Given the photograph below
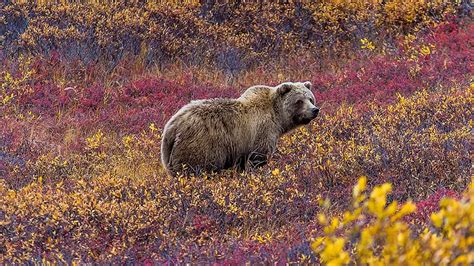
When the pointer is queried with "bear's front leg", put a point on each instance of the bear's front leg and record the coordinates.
(257, 159)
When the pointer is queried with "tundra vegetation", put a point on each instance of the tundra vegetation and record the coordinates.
(382, 176)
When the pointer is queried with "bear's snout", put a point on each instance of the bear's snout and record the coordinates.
(315, 111)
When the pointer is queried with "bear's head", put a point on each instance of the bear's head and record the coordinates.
(295, 104)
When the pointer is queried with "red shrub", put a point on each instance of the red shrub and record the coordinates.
(426, 207)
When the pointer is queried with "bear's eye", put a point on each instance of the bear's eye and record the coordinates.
(311, 100)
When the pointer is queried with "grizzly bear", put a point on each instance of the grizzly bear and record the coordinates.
(216, 134)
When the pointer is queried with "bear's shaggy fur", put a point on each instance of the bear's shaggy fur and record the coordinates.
(217, 134)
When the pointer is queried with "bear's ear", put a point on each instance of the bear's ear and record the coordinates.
(283, 89)
(308, 85)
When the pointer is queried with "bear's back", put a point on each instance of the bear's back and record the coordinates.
(213, 108)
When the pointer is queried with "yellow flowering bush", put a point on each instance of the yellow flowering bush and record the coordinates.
(374, 232)
(12, 86)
